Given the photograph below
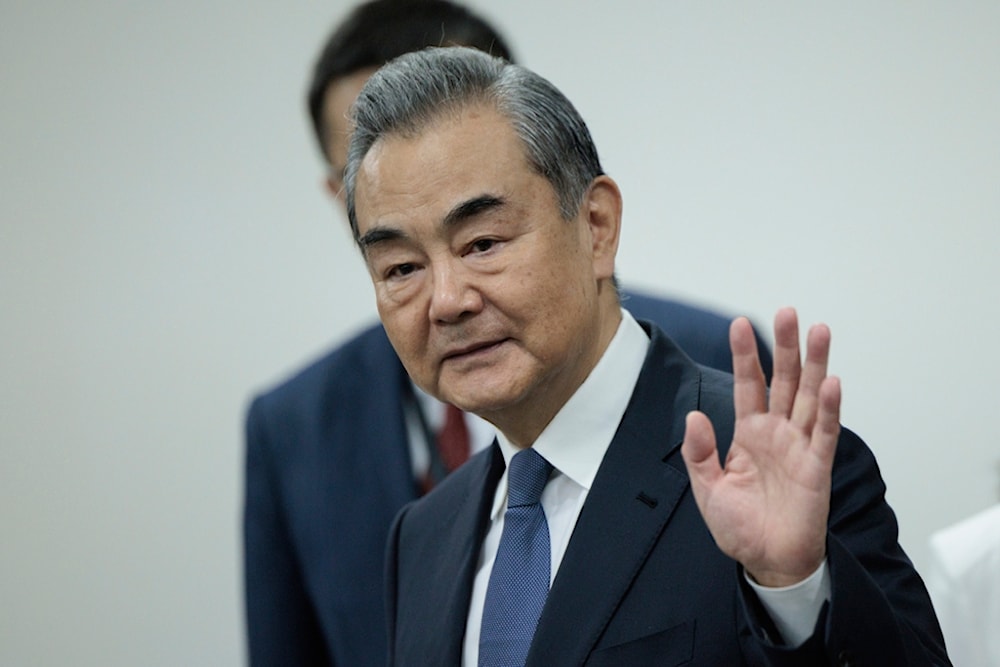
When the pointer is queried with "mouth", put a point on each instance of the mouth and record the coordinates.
(473, 351)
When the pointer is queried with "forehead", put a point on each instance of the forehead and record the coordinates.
(458, 156)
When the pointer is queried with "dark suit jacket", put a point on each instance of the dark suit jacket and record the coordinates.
(642, 582)
(327, 469)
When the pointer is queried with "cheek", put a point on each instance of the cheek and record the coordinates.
(400, 300)
(402, 326)
(386, 309)
(544, 287)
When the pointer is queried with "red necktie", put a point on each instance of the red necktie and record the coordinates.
(453, 438)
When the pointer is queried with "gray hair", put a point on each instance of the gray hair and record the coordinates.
(412, 91)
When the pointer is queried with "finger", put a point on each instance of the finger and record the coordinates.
(749, 386)
(700, 456)
(827, 430)
(787, 363)
(813, 373)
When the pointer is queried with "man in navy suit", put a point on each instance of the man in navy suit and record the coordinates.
(681, 515)
(336, 450)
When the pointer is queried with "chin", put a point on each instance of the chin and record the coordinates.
(487, 390)
(476, 405)
(482, 400)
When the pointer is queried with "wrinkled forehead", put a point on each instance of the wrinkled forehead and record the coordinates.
(473, 157)
(414, 127)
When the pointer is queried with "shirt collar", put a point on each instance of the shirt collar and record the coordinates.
(576, 439)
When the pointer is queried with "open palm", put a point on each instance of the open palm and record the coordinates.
(767, 507)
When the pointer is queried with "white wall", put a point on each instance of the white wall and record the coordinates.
(166, 249)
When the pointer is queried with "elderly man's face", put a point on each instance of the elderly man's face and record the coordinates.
(490, 298)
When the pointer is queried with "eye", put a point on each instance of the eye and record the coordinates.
(482, 245)
(400, 270)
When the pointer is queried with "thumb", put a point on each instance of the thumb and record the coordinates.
(699, 453)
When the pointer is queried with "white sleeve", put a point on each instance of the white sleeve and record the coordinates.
(794, 609)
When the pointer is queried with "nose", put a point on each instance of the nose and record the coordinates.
(454, 295)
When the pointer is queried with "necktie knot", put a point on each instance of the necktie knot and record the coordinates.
(526, 478)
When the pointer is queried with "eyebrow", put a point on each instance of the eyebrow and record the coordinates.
(377, 235)
(471, 208)
(460, 213)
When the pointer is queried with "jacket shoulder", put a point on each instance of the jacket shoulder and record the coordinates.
(364, 364)
(702, 333)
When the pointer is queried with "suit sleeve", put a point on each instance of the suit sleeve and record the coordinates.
(282, 628)
(879, 612)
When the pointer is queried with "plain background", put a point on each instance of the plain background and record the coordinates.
(166, 250)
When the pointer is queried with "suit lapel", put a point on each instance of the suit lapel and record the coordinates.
(630, 503)
(471, 521)
(451, 550)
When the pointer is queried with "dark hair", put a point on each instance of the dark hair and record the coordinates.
(410, 93)
(377, 31)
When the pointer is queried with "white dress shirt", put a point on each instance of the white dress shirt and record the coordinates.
(964, 584)
(575, 442)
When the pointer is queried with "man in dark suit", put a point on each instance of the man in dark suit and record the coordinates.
(490, 232)
(336, 450)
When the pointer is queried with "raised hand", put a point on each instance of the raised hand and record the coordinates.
(767, 507)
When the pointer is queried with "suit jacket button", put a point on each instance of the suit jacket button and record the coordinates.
(845, 659)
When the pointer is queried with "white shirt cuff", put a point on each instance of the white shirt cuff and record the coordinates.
(794, 609)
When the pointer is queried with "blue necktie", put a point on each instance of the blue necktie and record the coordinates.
(519, 582)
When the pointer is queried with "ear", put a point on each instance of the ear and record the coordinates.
(603, 208)
(335, 188)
